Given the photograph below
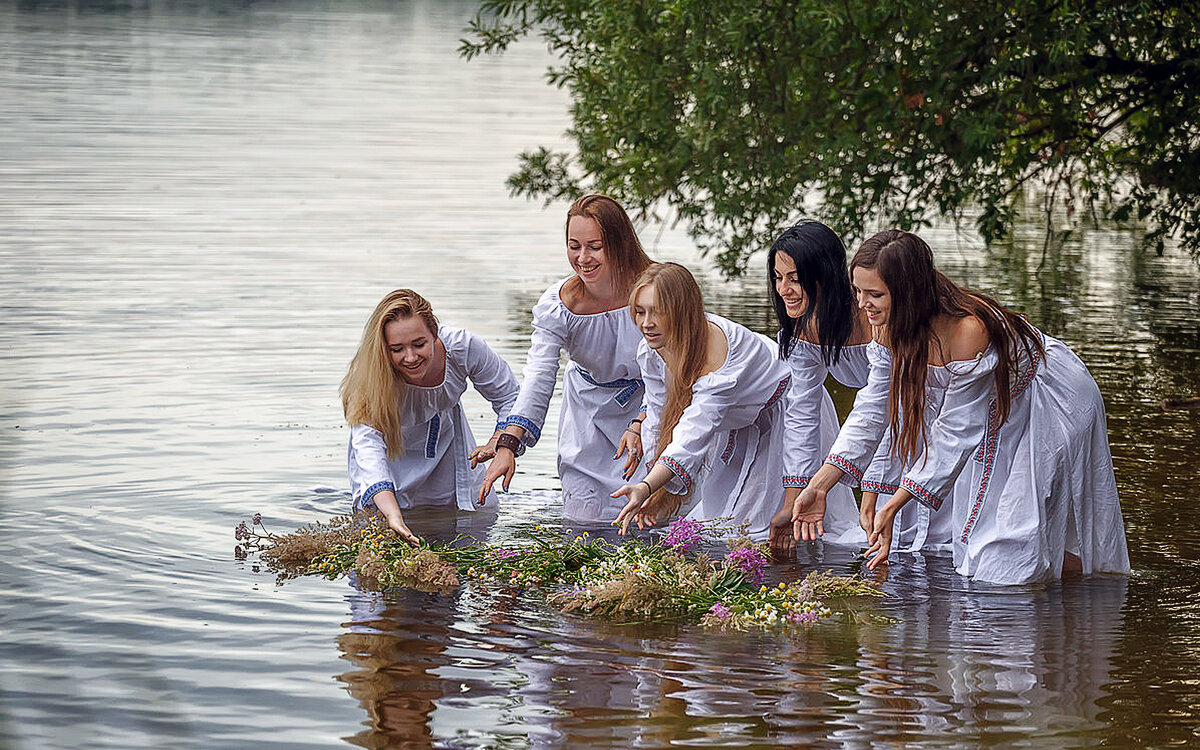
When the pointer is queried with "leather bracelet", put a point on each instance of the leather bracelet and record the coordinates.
(647, 486)
(508, 440)
(635, 420)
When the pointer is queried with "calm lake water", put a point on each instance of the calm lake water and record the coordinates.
(200, 203)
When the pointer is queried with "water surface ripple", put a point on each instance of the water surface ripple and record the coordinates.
(199, 205)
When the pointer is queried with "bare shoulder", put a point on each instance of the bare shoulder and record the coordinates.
(968, 338)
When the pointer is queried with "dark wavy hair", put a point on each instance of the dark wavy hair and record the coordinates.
(820, 259)
(919, 293)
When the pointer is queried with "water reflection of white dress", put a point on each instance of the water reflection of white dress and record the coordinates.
(602, 392)
(1022, 493)
(725, 451)
(811, 426)
(434, 468)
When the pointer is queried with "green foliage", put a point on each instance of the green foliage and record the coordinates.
(893, 113)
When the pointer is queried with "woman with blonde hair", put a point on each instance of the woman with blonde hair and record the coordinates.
(714, 418)
(587, 315)
(1000, 427)
(410, 442)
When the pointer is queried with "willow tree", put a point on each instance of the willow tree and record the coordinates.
(874, 111)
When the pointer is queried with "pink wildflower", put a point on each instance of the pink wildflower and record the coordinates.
(684, 533)
(720, 611)
(750, 562)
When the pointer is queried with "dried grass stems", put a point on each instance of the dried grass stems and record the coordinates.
(662, 581)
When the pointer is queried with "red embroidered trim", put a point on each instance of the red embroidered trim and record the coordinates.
(845, 466)
(679, 471)
(922, 495)
(791, 480)
(987, 449)
(729, 446)
(783, 384)
(879, 487)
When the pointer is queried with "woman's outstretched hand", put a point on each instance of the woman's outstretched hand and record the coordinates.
(396, 523)
(631, 444)
(638, 508)
(808, 514)
(482, 453)
(866, 511)
(503, 465)
(879, 538)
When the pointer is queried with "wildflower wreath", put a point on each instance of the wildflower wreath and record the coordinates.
(660, 581)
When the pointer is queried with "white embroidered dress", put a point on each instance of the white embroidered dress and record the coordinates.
(1023, 493)
(811, 426)
(725, 450)
(434, 468)
(602, 392)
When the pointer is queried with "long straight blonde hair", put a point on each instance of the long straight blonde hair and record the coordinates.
(680, 306)
(373, 391)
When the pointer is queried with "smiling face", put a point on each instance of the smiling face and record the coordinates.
(873, 295)
(788, 287)
(649, 319)
(410, 346)
(585, 250)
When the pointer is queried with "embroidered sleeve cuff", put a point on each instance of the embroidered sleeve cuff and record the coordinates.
(678, 470)
(533, 431)
(923, 496)
(846, 466)
(368, 497)
(790, 480)
(882, 488)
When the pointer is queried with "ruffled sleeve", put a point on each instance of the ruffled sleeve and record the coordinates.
(802, 454)
(491, 376)
(367, 464)
(541, 366)
(956, 432)
(863, 430)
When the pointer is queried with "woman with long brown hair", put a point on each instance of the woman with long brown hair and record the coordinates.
(587, 315)
(714, 417)
(992, 417)
(410, 443)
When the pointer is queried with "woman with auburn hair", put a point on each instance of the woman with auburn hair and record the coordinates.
(992, 417)
(714, 417)
(410, 443)
(587, 315)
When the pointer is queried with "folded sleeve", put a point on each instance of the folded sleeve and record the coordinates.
(863, 430)
(956, 432)
(802, 450)
(541, 368)
(367, 465)
(492, 378)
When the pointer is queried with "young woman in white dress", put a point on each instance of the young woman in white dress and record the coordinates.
(821, 332)
(1015, 444)
(714, 419)
(586, 314)
(410, 443)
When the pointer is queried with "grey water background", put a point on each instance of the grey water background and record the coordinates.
(200, 203)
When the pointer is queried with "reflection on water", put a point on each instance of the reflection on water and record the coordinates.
(199, 205)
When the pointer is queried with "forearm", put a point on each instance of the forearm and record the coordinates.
(826, 478)
(387, 504)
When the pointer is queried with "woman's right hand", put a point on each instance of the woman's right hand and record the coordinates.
(637, 508)
(503, 465)
(808, 514)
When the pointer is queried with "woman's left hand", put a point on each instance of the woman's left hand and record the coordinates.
(485, 452)
(631, 443)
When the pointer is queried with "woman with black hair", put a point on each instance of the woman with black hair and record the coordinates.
(994, 419)
(821, 332)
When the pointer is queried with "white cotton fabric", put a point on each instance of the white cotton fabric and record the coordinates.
(1023, 494)
(434, 468)
(602, 392)
(725, 450)
(811, 426)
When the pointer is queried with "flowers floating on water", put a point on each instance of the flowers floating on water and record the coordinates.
(683, 535)
(631, 582)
